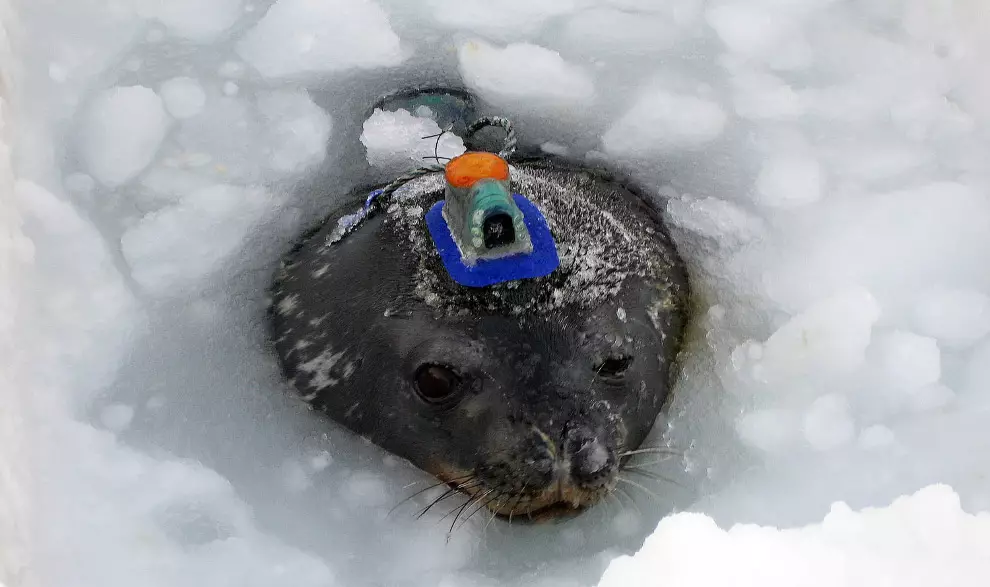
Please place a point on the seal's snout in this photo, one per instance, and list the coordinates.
(593, 464)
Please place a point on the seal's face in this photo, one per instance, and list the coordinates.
(531, 416)
(526, 395)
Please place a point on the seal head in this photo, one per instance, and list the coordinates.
(526, 394)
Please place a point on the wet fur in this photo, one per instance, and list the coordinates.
(535, 399)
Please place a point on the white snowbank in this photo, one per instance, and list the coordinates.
(122, 132)
(925, 539)
(165, 249)
(298, 38)
(394, 141)
(523, 71)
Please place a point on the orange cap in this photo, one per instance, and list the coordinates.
(463, 171)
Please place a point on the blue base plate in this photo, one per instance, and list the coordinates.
(542, 261)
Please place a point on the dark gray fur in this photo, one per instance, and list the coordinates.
(353, 321)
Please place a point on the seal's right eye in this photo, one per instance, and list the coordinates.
(436, 383)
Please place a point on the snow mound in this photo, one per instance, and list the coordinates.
(918, 540)
(396, 141)
(306, 39)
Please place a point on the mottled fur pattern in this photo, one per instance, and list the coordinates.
(557, 376)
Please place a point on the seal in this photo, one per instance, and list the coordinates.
(527, 395)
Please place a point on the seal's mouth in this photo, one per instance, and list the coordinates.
(557, 502)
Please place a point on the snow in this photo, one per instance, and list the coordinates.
(394, 141)
(304, 39)
(523, 71)
(661, 121)
(184, 97)
(923, 539)
(190, 19)
(789, 180)
(822, 165)
(121, 133)
(165, 251)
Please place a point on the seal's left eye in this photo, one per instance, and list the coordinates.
(613, 367)
(436, 383)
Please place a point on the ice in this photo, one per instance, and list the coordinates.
(715, 219)
(789, 180)
(117, 417)
(165, 249)
(305, 39)
(918, 540)
(511, 18)
(603, 31)
(828, 338)
(823, 168)
(278, 134)
(661, 122)
(956, 317)
(909, 360)
(828, 424)
(194, 20)
(121, 133)
(523, 71)
(394, 141)
(184, 97)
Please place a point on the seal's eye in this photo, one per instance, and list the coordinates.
(436, 383)
(613, 367)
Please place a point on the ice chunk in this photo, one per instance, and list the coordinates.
(956, 317)
(931, 397)
(918, 540)
(394, 141)
(283, 134)
(716, 219)
(184, 97)
(523, 71)
(366, 490)
(602, 31)
(303, 38)
(908, 361)
(177, 247)
(828, 422)
(830, 337)
(509, 18)
(297, 130)
(661, 121)
(117, 417)
(789, 180)
(876, 437)
(770, 430)
(121, 133)
(762, 96)
(196, 20)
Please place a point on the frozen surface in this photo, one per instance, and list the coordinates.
(122, 133)
(920, 540)
(823, 165)
(302, 38)
(394, 141)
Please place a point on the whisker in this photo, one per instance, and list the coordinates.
(495, 513)
(652, 475)
(448, 493)
(421, 491)
(652, 450)
(498, 494)
(519, 498)
(464, 507)
(631, 499)
(637, 485)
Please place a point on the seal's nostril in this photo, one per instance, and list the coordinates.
(590, 461)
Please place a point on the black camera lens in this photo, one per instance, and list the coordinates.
(498, 230)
